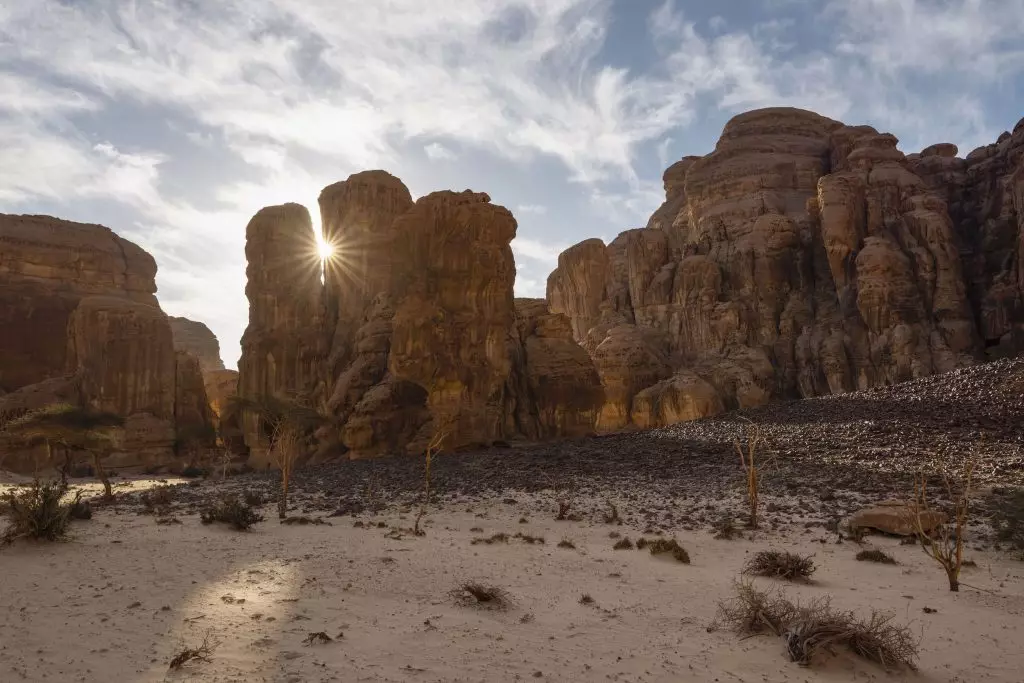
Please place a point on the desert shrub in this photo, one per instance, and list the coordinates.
(531, 540)
(623, 544)
(157, 499)
(496, 538)
(303, 520)
(567, 544)
(37, 512)
(642, 543)
(725, 528)
(1008, 518)
(875, 556)
(661, 546)
(80, 509)
(779, 564)
(193, 472)
(481, 595)
(201, 653)
(254, 499)
(317, 638)
(612, 517)
(230, 510)
(945, 543)
(816, 627)
(586, 599)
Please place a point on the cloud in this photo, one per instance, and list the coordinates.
(534, 250)
(538, 209)
(435, 151)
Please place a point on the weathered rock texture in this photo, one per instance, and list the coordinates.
(79, 323)
(801, 257)
(198, 340)
(413, 331)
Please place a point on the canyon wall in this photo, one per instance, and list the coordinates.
(801, 257)
(80, 324)
(413, 331)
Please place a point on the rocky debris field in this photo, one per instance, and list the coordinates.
(822, 460)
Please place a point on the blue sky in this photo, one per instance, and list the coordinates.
(174, 121)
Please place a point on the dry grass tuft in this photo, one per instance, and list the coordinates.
(232, 511)
(157, 500)
(809, 630)
(304, 521)
(778, 564)
(586, 599)
(496, 538)
(623, 544)
(481, 595)
(202, 653)
(567, 544)
(37, 512)
(661, 546)
(319, 637)
(527, 538)
(875, 556)
(613, 514)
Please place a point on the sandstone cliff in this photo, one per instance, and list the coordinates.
(79, 323)
(414, 329)
(197, 339)
(801, 257)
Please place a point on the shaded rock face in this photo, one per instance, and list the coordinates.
(414, 330)
(801, 257)
(80, 324)
(197, 339)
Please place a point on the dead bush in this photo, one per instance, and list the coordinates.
(661, 546)
(809, 630)
(780, 564)
(875, 556)
(945, 543)
(232, 511)
(481, 595)
(567, 544)
(623, 544)
(303, 520)
(254, 499)
(491, 540)
(157, 500)
(37, 512)
(80, 509)
(613, 514)
(531, 540)
(586, 599)
(202, 653)
(725, 529)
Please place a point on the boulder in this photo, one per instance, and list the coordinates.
(897, 518)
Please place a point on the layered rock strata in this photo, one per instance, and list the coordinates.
(801, 257)
(80, 324)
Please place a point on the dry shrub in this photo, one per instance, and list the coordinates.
(496, 538)
(157, 500)
(661, 546)
(945, 543)
(481, 595)
(80, 509)
(254, 499)
(613, 514)
(586, 599)
(317, 638)
(303, 520)
(725, 529)
(875, 556)
(567, 544)
(642, 543)
(810, 629)
(623, 544)
(531, 540)
(779, 564)
(202, 653)
(230, 510)
(38, 512)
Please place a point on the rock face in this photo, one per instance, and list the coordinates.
(801, 257)
(197, 339)
(81, 324)
(414, 330)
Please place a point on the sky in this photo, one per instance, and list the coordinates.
(173, 121)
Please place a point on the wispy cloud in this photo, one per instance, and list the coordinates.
(435, 151)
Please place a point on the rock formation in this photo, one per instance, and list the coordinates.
(801, 257)
(79, 323)
(198, 340)
(413, 331)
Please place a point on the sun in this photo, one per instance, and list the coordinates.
(324, 249)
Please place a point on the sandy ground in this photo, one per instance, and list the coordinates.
(117, 601)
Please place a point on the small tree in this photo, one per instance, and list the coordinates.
(286, 423)
(752, 472)
(945, 543)
(432, 448)
(74, 428)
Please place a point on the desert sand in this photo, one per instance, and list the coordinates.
(125, 594)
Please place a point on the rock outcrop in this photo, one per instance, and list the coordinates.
(413, 331)
(80, 324)
(198, 340)
(801, 257)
